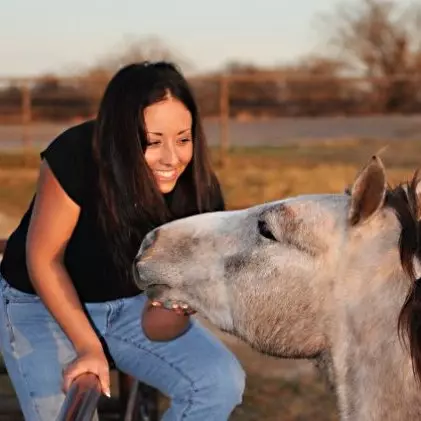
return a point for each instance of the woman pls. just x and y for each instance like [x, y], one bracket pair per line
[68, 299]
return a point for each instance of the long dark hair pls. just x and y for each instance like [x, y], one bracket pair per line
[129, 201]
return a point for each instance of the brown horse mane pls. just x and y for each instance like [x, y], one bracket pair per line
[403, 200]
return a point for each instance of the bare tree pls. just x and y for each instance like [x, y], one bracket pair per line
[140, 49]
[54, 98]
[314, 86]
[10, 103]
[207, 93]
[380, 39]
[251, 96]
[132, 50]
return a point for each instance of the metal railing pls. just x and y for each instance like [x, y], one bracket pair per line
[82, 399]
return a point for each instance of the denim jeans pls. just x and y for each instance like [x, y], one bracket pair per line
[196, 371]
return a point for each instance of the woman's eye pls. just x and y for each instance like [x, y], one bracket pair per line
[185, 140]
[153, 142]
[264, 230]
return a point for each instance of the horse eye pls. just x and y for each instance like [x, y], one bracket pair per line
[264, 230]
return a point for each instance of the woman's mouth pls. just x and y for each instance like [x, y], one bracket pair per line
[166, 175]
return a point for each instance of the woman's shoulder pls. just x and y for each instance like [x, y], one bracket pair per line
[76, 136]
[81, 129]
[74, 141]
[70, 158]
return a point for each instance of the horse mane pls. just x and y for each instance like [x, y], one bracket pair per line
[403, 200]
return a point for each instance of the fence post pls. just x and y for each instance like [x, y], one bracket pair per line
[224, 119]
[26, 117]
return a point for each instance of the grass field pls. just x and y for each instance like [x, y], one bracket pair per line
[252, 176]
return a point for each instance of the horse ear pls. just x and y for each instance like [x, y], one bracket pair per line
[416, 188]
[368, 191]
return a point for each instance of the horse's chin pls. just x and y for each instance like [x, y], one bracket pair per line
[157, 292]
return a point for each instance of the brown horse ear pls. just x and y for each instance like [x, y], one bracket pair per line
[416, 189]
[368, 191]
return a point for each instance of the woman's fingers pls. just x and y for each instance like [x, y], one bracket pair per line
[88, 364]
[70, 374]
[104, 379]
[177, 307]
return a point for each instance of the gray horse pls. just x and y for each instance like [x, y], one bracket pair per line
[330, 277]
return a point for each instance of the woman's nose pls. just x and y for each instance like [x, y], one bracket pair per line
[169, 156]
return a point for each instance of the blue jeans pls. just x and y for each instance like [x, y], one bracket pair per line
[196, 371]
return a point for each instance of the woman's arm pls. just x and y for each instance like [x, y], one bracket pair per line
[53, 220]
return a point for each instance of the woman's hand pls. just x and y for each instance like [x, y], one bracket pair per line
[162, 322]
[90, 361]
[181, 309]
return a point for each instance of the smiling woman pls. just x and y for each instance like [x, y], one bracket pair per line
[103, 186]
[168, 153]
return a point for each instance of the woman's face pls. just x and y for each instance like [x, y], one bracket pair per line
[170, 143]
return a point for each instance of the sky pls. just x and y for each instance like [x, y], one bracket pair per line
[56, 36]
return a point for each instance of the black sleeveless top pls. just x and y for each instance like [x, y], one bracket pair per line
[87, 258]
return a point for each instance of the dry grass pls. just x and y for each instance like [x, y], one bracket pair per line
[258, 175]
[254, 175]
